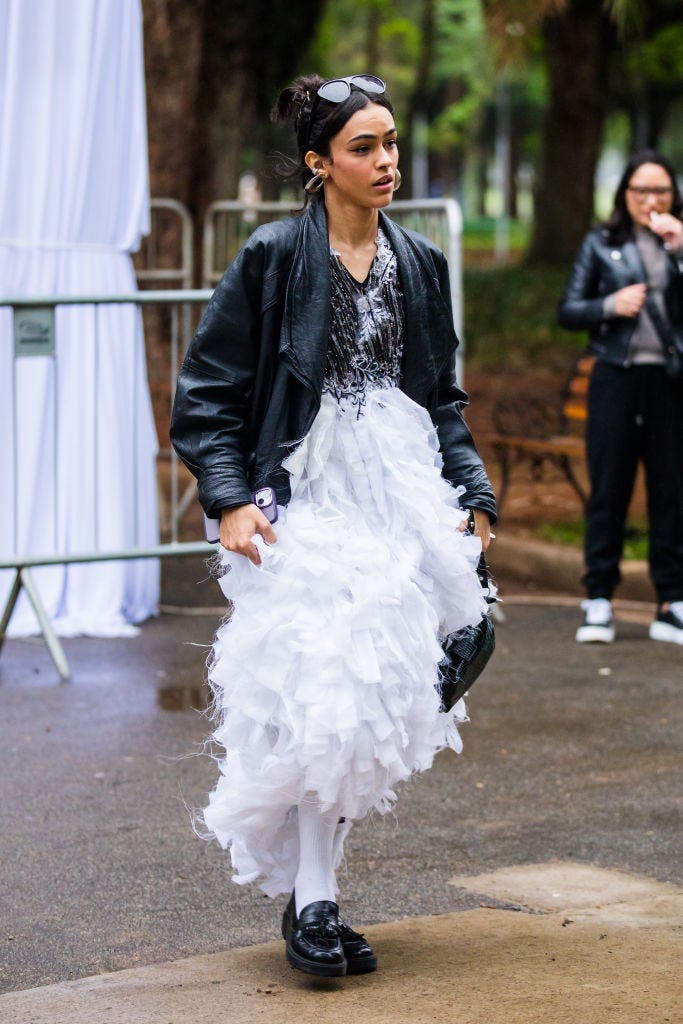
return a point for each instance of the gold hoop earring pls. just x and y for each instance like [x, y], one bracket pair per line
[398, 178]
[314, 184]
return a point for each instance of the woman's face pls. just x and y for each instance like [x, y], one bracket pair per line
[649, 190]
[361, 167]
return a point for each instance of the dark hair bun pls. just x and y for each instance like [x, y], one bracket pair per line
[294, 103]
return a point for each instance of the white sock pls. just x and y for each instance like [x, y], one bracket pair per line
[315, 878]
[340, 833]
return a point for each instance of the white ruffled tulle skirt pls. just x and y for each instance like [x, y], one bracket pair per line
[324, 675]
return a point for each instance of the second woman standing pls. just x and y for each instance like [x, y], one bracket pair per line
[626, 289]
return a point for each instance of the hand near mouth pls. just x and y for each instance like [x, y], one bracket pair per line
[667, 227]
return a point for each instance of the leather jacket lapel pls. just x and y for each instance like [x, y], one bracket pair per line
[305, 328]
[430, 335]
[631, 257]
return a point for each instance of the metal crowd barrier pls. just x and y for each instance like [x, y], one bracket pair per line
[166, 255]
[177, 304]
[166, 259]
[227, 226]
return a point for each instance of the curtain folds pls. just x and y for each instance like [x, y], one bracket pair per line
[78, 442]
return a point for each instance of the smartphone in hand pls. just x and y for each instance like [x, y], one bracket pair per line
[264, 498]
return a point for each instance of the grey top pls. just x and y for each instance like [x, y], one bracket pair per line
[367, 328]
[646, 346]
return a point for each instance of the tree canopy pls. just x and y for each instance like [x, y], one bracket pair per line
[553, 74]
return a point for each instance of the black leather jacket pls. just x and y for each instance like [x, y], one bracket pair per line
[250, 386]
[599, 270]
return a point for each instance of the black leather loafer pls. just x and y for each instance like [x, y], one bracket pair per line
[360, 958]
[312, 938]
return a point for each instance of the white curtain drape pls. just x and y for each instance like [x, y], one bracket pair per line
[77, 438]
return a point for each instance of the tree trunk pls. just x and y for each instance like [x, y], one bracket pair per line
[213, 70]
[578, 50]
[414, 151]
[513, 183]
[483, 160]
[174, 45]
[372, 46]
[659, 102]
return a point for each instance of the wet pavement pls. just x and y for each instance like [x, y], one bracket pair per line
[573, 755]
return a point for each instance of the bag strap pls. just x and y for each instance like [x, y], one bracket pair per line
[483, 574]
[660, 323]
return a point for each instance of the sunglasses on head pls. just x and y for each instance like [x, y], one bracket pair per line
[336, 90]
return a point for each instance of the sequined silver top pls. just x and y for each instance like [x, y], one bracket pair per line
[367, 328]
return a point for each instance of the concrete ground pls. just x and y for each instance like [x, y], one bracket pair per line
[535, 877]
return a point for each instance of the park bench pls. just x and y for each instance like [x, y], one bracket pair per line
[533, 430]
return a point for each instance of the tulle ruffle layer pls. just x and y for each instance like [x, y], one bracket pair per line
[324, 675]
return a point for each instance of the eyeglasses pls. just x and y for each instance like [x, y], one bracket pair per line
[640, 192]
[336, 90]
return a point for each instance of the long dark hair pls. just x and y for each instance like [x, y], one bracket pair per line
[316, 121]
[619, 225]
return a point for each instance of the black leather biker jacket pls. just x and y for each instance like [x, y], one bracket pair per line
[600, 269]
[250, 386]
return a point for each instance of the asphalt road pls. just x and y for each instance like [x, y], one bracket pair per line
[573, 753]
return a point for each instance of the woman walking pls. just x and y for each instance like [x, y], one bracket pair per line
[626, 289]
[322, 368]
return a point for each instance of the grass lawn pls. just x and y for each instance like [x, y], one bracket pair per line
[571, 532]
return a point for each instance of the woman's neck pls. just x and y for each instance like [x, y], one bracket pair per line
[350, 226]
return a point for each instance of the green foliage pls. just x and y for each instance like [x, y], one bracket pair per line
[572, 531]
[566, 532]
[450, 128]
[343, 39]
[402, 38]
[636, 541]
[510, 318]
[627, 14]
[479, 233]
[463, 61]
[659, 58]
[462, 40]
[353, 34]
[477, 44]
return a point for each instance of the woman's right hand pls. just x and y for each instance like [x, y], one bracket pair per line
[630, 300]
[238, 526]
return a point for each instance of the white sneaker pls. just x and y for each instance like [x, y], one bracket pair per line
[597, 627]
[668, 626]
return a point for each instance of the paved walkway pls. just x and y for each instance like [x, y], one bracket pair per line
[536, 877]
[589, 944]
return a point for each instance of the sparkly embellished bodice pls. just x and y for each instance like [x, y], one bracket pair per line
[367, 328]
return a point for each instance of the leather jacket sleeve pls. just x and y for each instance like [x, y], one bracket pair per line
[581, 307]
[463, 465]
[211, 405]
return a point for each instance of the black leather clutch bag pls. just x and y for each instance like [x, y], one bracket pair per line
[466, 653]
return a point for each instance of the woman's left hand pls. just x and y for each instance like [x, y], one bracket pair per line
[667, 227]
[482, 527]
